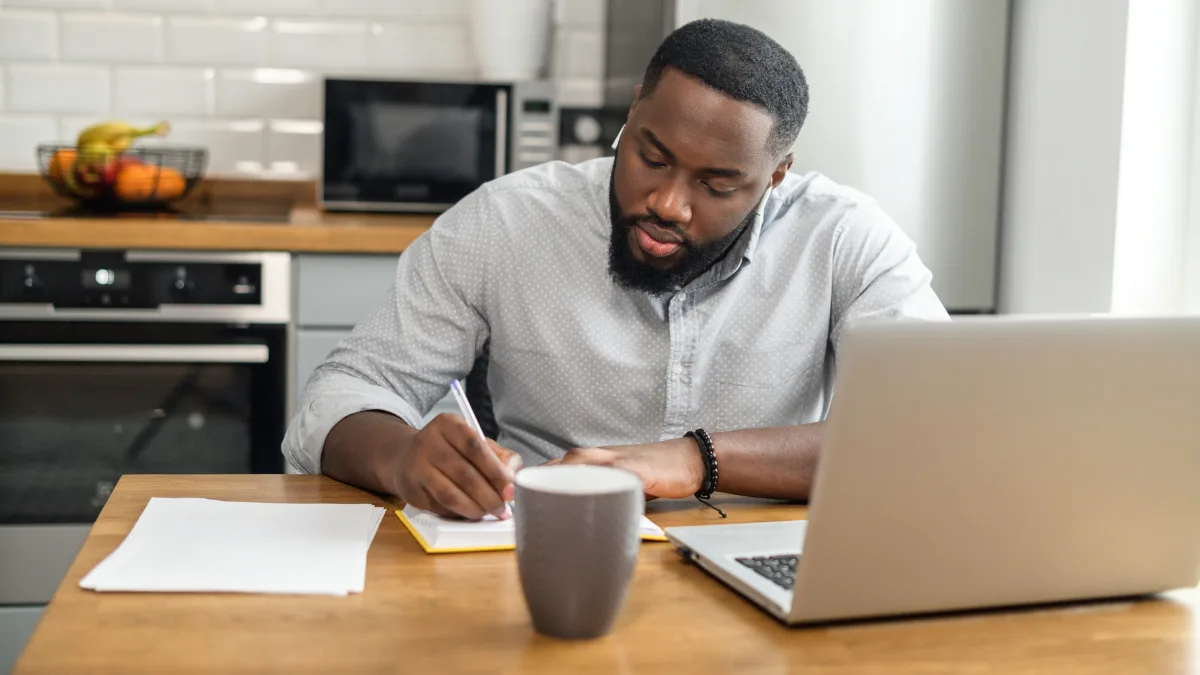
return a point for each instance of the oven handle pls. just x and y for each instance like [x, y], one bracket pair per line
[136, 353]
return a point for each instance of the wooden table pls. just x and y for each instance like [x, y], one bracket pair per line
[464, 613]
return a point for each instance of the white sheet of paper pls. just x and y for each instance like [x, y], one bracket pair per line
[205, 545]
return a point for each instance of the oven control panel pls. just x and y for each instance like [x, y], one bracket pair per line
[110, 279]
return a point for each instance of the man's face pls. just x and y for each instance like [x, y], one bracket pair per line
[691, 167]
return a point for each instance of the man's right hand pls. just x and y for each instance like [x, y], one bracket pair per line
[449, 470]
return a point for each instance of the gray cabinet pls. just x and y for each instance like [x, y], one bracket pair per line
[338, 291]
[16, 625]
[334, 293]
[312, 346]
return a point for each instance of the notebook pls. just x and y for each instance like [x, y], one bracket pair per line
[440, 535]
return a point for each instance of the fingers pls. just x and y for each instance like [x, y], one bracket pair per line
[507, 457]
[451, 497]
[478, 453]
[513, 462]
[450, 470]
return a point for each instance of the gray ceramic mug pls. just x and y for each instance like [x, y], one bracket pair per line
[577, 544]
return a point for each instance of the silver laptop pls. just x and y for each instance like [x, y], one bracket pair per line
[986, 463]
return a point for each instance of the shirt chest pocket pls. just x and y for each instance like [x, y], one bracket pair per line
[764, 387]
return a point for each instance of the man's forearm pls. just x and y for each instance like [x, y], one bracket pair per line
[365, 449]
[776, 462]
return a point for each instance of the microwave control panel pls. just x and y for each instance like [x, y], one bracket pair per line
[535, 117]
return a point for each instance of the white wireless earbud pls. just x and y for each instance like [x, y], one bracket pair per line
[618, 138]
[762, 203]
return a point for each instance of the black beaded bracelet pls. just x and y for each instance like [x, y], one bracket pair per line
[711, 473]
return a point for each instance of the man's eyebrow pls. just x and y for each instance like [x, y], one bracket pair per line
[710, 170]
[719, 171]
[649, 135]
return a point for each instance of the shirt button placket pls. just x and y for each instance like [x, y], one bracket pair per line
[677, 396]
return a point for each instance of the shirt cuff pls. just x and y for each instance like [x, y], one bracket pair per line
[330, 399]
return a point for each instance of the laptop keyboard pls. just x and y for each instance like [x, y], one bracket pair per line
[780, 569]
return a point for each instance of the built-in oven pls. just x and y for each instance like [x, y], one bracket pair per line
[116, 362]
[421, 146]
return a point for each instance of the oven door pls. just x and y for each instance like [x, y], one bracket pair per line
[82, 404]
[410, 146]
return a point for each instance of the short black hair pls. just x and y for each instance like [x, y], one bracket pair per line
[742, 63]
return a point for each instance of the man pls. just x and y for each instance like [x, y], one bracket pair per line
[691, 282]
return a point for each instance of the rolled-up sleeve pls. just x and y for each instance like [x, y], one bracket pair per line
[427, 331]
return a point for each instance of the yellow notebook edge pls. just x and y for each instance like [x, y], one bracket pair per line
[474, 549]
[429, 549]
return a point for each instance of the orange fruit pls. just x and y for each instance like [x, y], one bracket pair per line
[170, 184]
[143, 182]
[62, 162]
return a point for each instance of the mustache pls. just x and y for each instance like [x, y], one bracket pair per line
[652, 219]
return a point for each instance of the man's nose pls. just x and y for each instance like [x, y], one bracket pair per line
[671, 203]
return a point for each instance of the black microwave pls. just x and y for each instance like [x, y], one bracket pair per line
[421, 146]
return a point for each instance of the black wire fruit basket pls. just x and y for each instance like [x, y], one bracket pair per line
[140, 178]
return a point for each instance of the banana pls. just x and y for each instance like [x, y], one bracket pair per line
[113, 138]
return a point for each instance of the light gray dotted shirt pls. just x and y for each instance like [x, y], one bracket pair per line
[576, 361]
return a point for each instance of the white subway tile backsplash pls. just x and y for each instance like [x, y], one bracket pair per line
[268, 92]
[54, 88]
[294, 147]
[435, 49]
[27, 35]
[57, 4]
[444, 10]
[578, 52]
[69, 126]
[270, 7]
[319, 44]
[234, 147]
[163, 91]
[217, 41]
[372, 9]
[112, 38]
[19, 138]
[241, 77]
[199, 6]
[419, 10]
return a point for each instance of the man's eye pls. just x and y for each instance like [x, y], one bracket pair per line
[651, 163]
[718, 193]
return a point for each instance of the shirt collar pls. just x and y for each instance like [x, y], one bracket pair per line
[742, 252]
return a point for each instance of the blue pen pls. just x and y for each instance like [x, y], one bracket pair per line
[464, 406]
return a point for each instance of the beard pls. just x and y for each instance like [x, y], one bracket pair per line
[632, 274]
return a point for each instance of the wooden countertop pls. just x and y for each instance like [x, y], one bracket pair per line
[308, 229]
[464, 613]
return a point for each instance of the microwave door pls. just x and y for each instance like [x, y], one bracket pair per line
[401, 146]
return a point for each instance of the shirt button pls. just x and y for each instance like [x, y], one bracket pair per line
[678, 370]
[682, 297]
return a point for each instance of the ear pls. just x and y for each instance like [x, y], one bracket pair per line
[781, 170]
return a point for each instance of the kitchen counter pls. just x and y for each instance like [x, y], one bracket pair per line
[306, 229]
[309, 230]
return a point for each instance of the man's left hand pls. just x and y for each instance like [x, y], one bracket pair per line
[669, 469]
